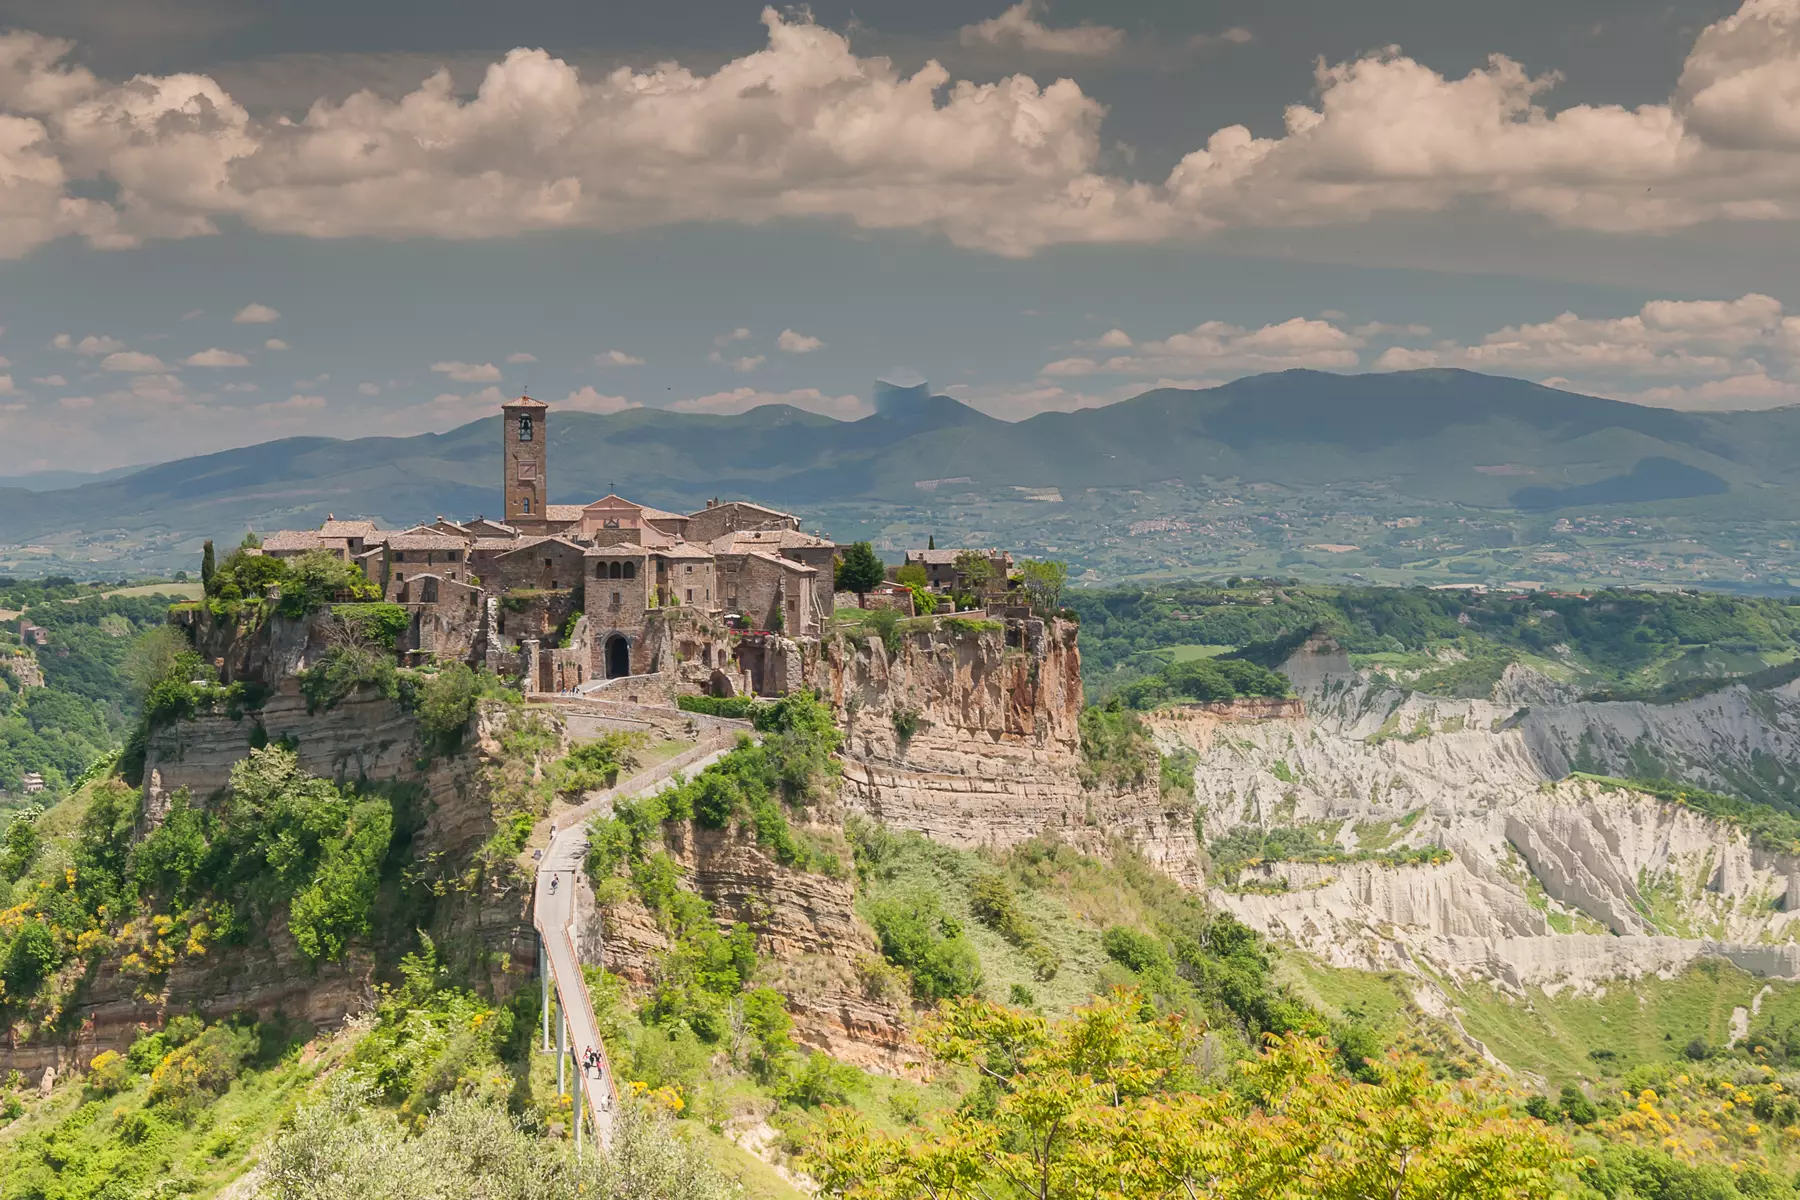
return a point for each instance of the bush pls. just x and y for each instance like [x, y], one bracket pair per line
[342, 670]
[447, 703]
[884, 623]
[1135, 950]
[191, 1076]
[379, 623]
[917, 936]
[995, 906]
[109, 1073]
[860, 569]
[739, 707]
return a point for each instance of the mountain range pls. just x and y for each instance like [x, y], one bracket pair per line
[1441, 436]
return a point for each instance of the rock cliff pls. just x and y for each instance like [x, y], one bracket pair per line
[971, 736]
[1554, 881]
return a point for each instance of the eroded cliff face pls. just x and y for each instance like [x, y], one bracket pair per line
[1554, 882]
[480, 918]
[807, 936]
[972, 738]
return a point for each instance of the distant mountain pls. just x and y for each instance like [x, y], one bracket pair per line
[50, 481]
[1443, 436]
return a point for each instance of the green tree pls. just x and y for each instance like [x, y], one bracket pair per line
[1108, 1105]
[974, 573]
[1045, 580]
[860, 570]
[208, 567]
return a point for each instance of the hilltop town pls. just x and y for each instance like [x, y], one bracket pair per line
[566, 597]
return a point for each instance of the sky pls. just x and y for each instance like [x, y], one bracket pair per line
[227, 221]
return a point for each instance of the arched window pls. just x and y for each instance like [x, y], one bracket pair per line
[524, 429]
[616, 571]
[525, 502]
[599, 570]
[630, 570]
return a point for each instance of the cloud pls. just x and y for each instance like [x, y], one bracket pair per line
[1018, 28]
[233, 388]
[191, 313]
[216, 357]
[1216, 346]
[586, 399]
[132, 360]
[736, 335]
[740, 400]
[6, 385]
[798, 343]
[617, 358]
[276, 344]
[805, 128]
[519, 356]
[52, 381]
[91, 344]
[1742, 353]
[256, 314]
[461, 372]
[76, 402]
[744, 363]
[369, 389]
[294, 403]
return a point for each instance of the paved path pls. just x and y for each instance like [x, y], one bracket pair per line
[553, 914]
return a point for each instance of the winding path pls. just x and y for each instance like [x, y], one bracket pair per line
[553, 913]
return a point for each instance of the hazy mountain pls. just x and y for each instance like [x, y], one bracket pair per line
[1444, 436]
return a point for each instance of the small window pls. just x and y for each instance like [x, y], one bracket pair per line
[630, 570]
[690, 568]
[524, 429]
[690, 595]
[525, 503]
[615, 599]
[399, 556]
[547, 562]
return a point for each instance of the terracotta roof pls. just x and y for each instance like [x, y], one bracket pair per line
[685, 550]
[744, 541]
[524, 402]
[333, 528]
[425, 541]
[502, 544]
[536, 542]
[291, 539]
[613, 500]
[616, 550]
[484, 523]
[562, 512]
[945, 558]
[786, 564]
[657, 514]
[761, 508]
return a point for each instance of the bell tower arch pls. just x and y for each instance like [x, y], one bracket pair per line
[525, 459]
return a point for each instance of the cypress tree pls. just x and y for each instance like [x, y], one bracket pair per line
[207, 567]
[931, 541]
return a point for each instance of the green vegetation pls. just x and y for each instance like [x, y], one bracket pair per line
[1116, 750]
[1626, 641]
[1253, 845]
[1111, 1102]
[740, 707]
[859, 569]
[1766, 827]
[312, 582]
[1209, 680]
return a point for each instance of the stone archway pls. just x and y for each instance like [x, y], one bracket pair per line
[618, 656]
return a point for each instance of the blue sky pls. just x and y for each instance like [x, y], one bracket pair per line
[222, 223]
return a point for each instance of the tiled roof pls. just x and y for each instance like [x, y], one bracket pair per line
[524, 402]
[685, 550]
[746, 540]
[291, 539]
[484, 523]
[761, 508]
[616, 550]
[786, 564]
[501, 544]
[562, 512]
[657, 514]
[538, 542]
[425, 541]
[347, 529]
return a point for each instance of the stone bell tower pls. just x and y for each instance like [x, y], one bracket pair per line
[524, 455]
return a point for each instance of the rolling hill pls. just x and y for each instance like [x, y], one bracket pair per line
[1440, 437]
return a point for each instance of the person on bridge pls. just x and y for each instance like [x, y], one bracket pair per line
[553, 880]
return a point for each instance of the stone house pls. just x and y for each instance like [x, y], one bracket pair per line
[719, 518]
[544, 564]
[401, 557]
[942, 575]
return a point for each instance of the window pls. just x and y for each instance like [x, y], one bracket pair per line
[616, 571]
[525, 503]
[690, 568]
[547, 562]
[524, 429]
[690, 595]
[599, 570]
[615, 601]
[399, 556]
[631, 570]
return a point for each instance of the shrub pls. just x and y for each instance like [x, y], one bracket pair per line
[917, 936]
[739, 707]
[860, 569]
[885, 624]
[447, 703]
[995, 906]
[190, 1076]
[341, 671]
[376, 622]
[109, 1073]
[1135, 950]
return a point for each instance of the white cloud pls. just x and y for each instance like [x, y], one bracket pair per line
[617, 358]
[1018, 28]
[739, 400]
[798, 343]
[736, 335]
[6, 385]
[216, 357]
[586, 399]
[1115, 339]
[519, 356]
[232, 388]
[369, 389]
[804, 128]
[132, 360]
[76, 402]
[191, 313]
[1216, 346]
[52, 381]
[743, 363]
[1742, 353]
[256, 314]
[276, 344]
[461, 372]
[91, 344]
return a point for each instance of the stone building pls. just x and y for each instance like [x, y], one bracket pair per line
[941, 572]
[577, 592]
